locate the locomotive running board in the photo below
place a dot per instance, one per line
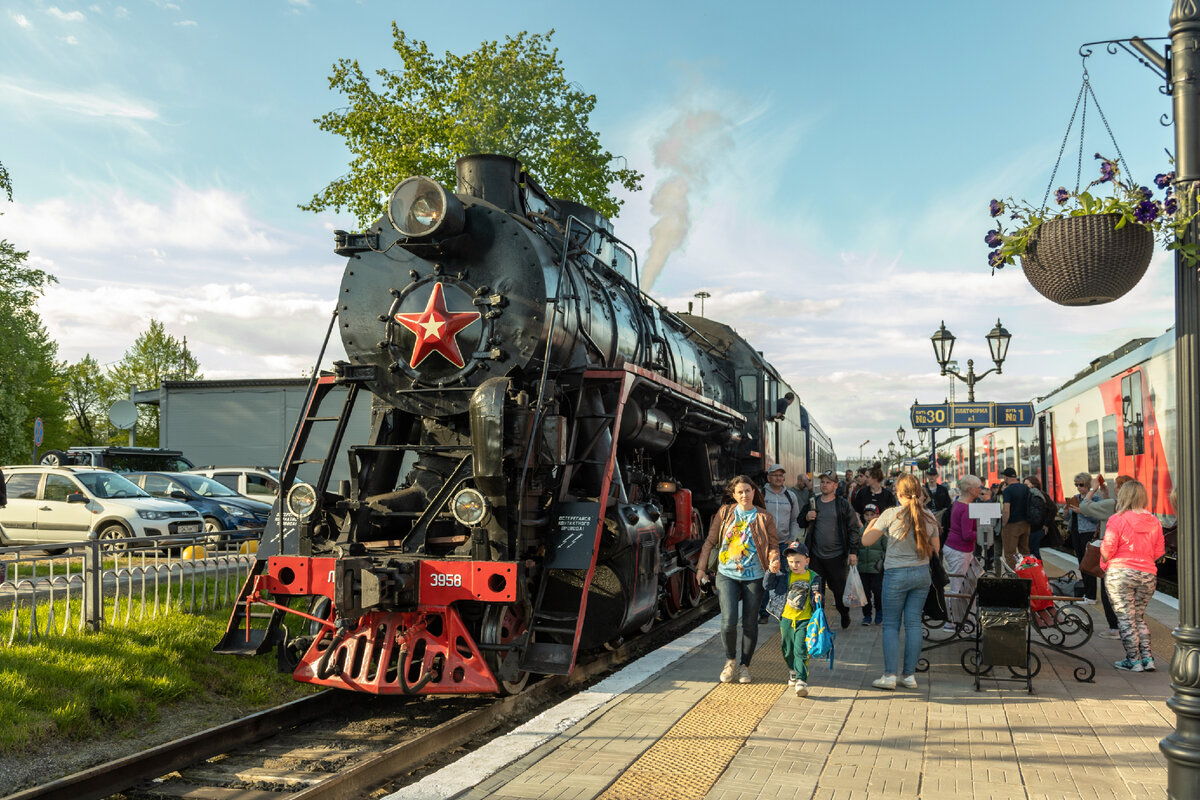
(558, 657)
(241, 639)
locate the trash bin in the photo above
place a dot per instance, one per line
(1003, 637)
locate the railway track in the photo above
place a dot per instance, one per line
(333, 745)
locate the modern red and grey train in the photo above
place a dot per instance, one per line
(1117, 416)
(546, 445)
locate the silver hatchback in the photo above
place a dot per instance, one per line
(59, 505)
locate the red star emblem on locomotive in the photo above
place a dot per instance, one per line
(437, 329)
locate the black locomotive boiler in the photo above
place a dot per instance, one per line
(546, 443)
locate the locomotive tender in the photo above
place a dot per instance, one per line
(546, 444)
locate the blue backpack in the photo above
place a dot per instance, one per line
(819, 638)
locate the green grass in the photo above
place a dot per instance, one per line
(79, 686)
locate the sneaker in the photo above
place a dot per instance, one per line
(727, 673)
(1128, 665)
(909, 682)
(886, 682)
(1148, 664)
(1112, 633)
(950, 627)
(801, 689)
(1087, 601)
(845, 620)
(878, 619)
(793, 678)
(763, 618)
(743, 674)
(866, 621)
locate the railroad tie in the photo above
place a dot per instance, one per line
(692, 755)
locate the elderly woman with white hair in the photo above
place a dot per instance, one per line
(959, 553)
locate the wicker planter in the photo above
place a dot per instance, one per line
(1082, 261)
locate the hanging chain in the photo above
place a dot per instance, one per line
(1085, 91)
(1066, 135)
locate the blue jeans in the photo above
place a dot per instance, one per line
(904, 593)
(729, 592)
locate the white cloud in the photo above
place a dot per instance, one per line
(94, 102)
(121, 12)
(65, 16)
(187, 23)
(21, 20)
(71, 40)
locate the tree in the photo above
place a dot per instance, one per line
(156, 356)
(509, 99)
(28, 374)
(85, 390)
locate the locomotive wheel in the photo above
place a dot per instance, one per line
(672, 601)
(502, 624)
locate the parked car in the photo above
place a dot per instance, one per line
(222, 508)
(260, 482)
(119, 459)
(56, 505)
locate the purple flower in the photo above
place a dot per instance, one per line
(995, 207)
(992, 239)
(1170, 206)
(1162, 180)
(995, 260)
(1146, 212)
(1061, 195)
(1145, 192)
(1106, 171)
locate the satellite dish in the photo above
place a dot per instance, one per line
(122, 414)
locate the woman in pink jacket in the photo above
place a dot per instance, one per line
(1133, 541)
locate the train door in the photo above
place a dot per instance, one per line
(773, 428)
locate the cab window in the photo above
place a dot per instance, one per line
(58, 487)
(23, 486)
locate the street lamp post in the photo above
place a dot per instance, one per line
(891, 456)
(1182, 747)
(860, 447)
(702, 295)
(943, 345)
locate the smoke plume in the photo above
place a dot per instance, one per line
(685, 154)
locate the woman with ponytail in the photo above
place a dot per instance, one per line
(913, 539)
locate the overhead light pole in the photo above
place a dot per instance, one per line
(943, 346)
(702, 296)
(860, 455)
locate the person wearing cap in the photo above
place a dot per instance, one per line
(831, 536)
(795, 589)
(785, 507)
(1014, 520)
(870, 569)
(939, 500)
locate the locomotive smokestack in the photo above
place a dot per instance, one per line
(496, 179)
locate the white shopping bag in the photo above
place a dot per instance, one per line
(855, 595)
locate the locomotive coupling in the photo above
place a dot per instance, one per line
(361, 584)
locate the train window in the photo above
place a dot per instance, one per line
(1110, 443)
(1093, 446)
(1131, 413)
(749, 384)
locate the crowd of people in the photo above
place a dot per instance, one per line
(793, 542)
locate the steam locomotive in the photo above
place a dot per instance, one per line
(546, 443)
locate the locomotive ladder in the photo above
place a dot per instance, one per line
(557, 623)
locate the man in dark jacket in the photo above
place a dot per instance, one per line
(939, 500)
(832, 534)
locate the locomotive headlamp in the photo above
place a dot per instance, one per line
(469, 507)
(420, 207)
(302, 500)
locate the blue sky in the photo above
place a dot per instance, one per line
(839, 160)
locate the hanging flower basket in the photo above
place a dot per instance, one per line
(1087, 260)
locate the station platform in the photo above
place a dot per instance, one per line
(664, 727)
